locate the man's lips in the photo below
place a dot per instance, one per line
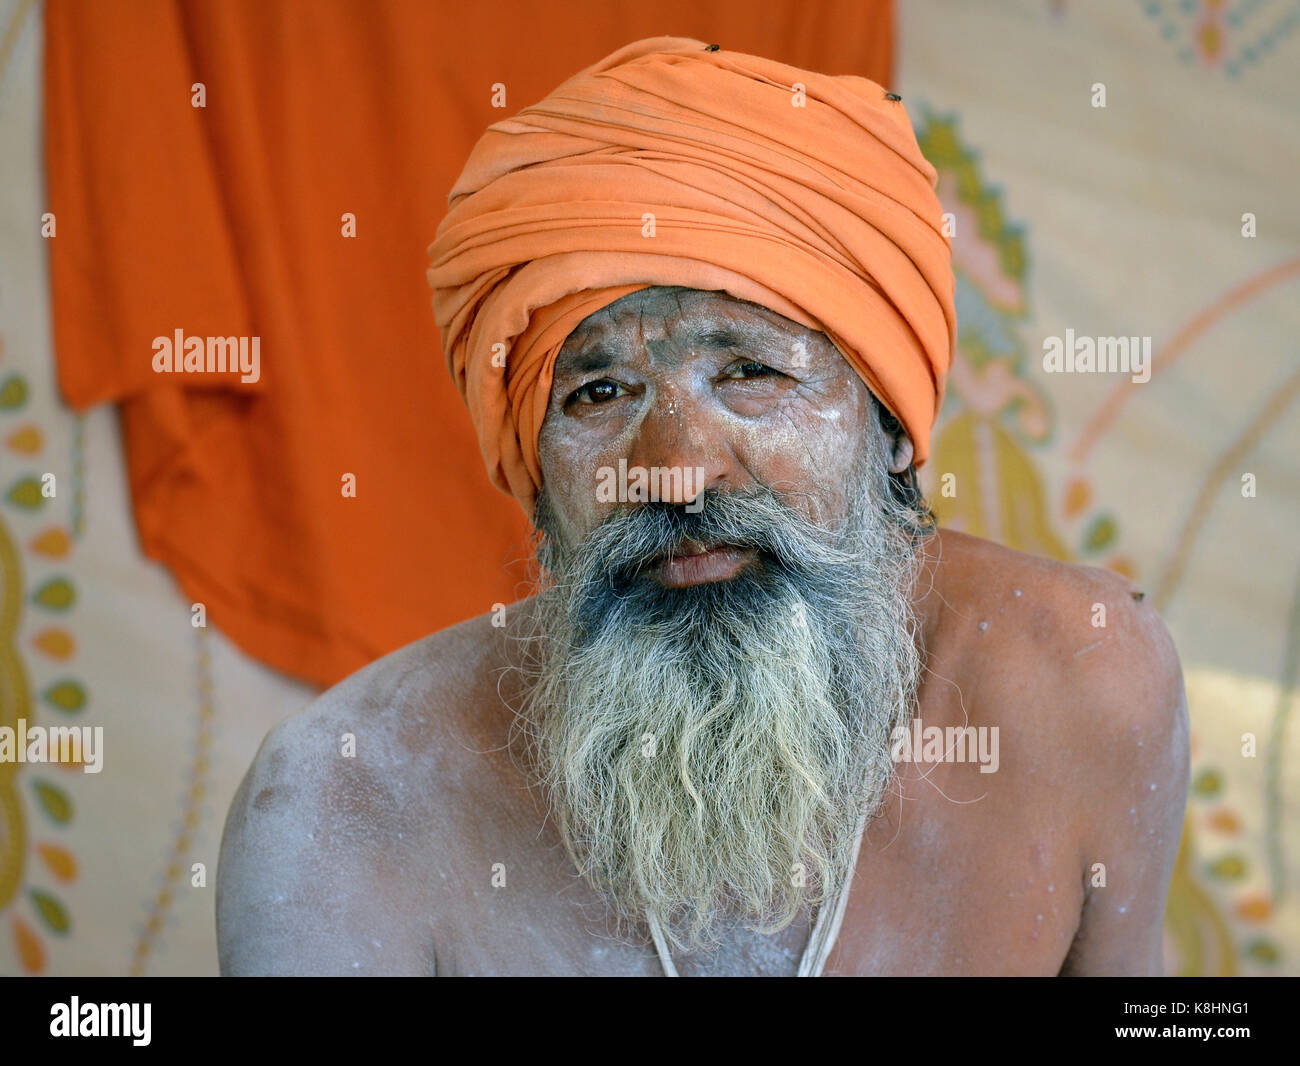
(695, 564)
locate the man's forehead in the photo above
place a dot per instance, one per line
(690, 316)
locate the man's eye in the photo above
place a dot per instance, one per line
(751, 369)
(596, 392)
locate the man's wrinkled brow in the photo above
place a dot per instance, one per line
(710, 336)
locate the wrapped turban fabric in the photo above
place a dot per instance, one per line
(673, 163)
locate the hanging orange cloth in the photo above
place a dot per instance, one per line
(231, 220)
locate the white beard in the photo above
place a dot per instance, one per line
(707, 751)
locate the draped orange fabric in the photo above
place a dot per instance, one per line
(228, 220)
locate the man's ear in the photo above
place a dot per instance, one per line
(898, 445)
(900, 457)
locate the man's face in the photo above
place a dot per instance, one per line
(712, 689)
(688, 380)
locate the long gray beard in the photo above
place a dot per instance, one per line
(707, 751)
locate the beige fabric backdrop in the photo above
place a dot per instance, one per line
(1126, 220)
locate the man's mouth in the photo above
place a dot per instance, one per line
(693, 563)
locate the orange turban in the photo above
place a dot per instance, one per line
(668, 163)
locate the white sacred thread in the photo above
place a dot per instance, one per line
(825, 930)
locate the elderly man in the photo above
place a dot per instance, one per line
(761, 717)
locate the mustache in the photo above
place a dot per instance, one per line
(632, 541)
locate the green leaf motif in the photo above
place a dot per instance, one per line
(57, 594)
(26, 494)
(13, 393)
(1228, 868)
(1101, 534)
(52, 912)
(1264, 951)
(1208, 783)
(66, 696)
(54, 801)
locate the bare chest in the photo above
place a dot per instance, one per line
(943, 887)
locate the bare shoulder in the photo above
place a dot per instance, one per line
(1062, 635)
(342, 805)
(1078, 670)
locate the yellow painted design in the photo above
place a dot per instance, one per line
(26, 440)
(1001, 497)
(1124, 566)
(15, 703)
(1196, 930)
(1254, 909)
(54, 543)
(54, 642)
(1224, 822)
(1078, 495)
(60, 861)
(30, 950)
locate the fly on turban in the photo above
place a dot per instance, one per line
(667, 163)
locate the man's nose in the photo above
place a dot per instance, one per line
(684, 445)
